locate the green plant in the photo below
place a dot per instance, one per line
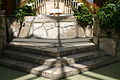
(24, 11)
(109, 16)
(0, 3)
(21, 12)
(84, 17)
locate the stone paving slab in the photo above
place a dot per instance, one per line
(60, 72)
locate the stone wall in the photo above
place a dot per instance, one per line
(109, 45)
(45, 27)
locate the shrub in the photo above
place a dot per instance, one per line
(19, 13)
(84, 17)
(109, 16)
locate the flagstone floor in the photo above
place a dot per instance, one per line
(109, 72)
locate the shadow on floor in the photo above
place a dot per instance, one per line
(110, 72)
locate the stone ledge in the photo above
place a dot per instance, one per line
(53, 51)
(57, 62)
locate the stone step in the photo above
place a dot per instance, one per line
(34, 40)
(40, 59)
(56, 73)
(105, 60)
(98, 62)
(93, 63)
(24, 56)
(53, 51)
(39, 70)
(81, 57)
(28, 49)
(16, 64)
(71, 59)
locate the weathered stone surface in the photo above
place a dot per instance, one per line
(46, 49)
(80, 67)
(19, 65)
(45, 27)
(50, 30)
(39, 69)
(80, 57)
(90, 64)
(47, 60)
(60, 72)
(28, 57)
(56, 73)
(108, 46)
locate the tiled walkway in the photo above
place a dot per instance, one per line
(110, 72)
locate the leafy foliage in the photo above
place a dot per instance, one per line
(83, 15)
(24, 11)
(0, 2)
(109, 16)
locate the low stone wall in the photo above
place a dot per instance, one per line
(109, 45)
(44, 27)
